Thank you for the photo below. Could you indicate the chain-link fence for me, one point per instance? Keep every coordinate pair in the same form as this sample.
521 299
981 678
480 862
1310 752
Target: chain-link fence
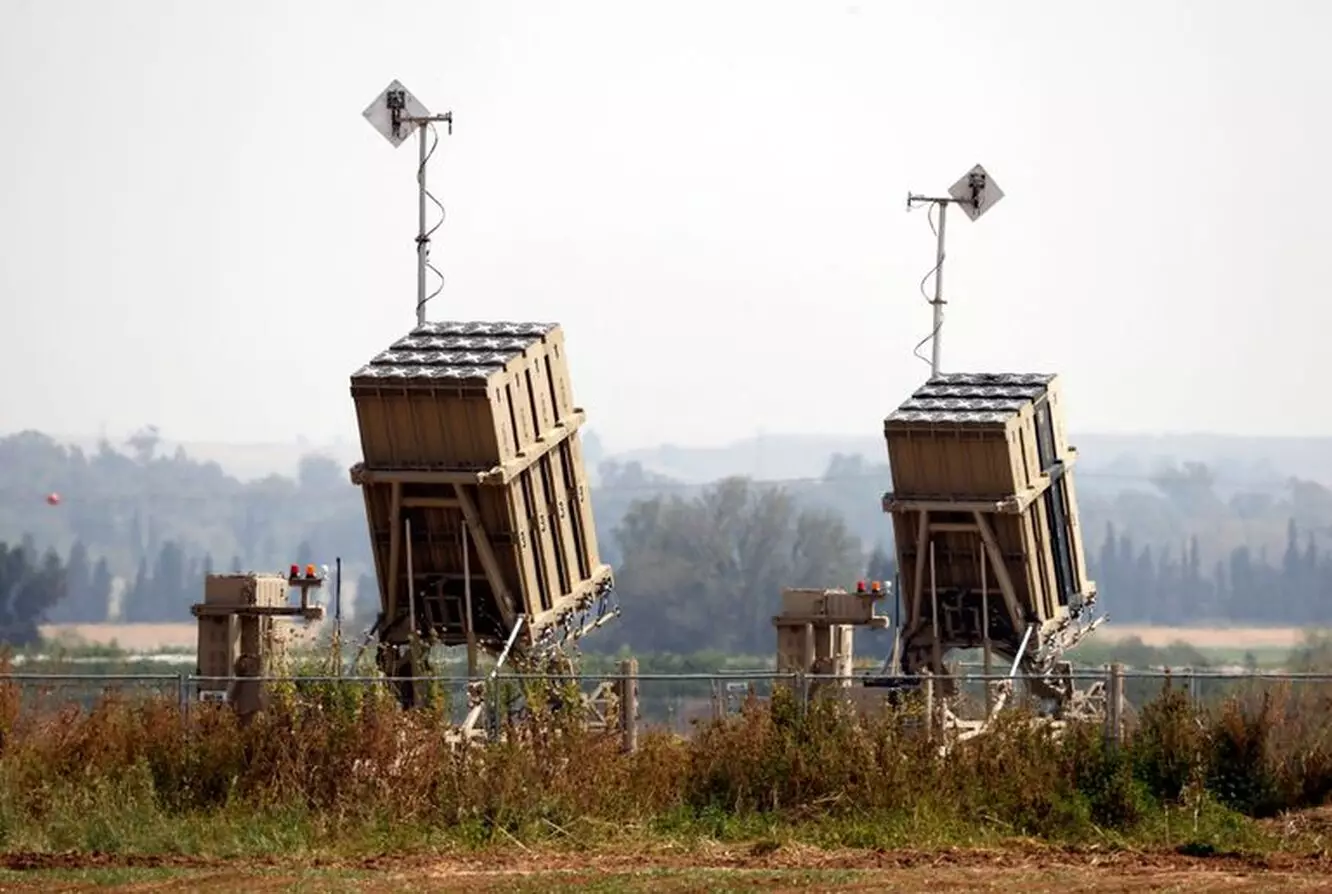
679 702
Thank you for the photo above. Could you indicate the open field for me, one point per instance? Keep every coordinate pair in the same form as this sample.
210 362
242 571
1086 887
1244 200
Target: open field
1206 637
711 869
333 792
131 637
147 637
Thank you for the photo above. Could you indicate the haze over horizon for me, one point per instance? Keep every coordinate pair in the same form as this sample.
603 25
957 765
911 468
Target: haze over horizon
203 233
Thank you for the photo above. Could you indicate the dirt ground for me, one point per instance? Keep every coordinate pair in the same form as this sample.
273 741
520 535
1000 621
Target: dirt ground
147 637
133 637
753 868
1207 637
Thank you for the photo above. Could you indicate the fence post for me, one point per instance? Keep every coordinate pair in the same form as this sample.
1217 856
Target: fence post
182 698
929 705
492 696
629 705
1114 707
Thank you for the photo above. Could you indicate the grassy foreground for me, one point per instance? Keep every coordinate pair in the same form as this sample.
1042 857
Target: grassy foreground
346 774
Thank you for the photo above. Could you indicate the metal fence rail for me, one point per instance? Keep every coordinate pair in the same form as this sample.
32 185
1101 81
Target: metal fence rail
670 700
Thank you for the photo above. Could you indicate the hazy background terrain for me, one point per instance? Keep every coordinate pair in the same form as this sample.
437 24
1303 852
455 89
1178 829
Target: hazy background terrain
1191 531
203 234
708 195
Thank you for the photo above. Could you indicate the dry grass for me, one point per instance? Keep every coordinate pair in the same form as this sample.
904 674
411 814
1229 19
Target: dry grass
1206 637
131 637
715 868
343 772
148 637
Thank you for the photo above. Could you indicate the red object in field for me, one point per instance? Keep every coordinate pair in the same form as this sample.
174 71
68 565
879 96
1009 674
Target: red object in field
53 499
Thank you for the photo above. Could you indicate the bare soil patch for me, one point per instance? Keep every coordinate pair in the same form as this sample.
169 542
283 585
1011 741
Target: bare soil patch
133 637
785 868
146 637
1207 637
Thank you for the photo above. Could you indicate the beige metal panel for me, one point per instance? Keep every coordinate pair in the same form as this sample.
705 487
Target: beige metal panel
552 473
970 461
1075 534
844 648
580 500
454 399
973 438
557 375
1053 395
505 515
456 395
1019 470
537 522
528 555
834 606
419 428
507 440
1043 597
1026 465
832 653
803 602
1020 558
219 646
271 590
1024 423
538 390
795 648
245 589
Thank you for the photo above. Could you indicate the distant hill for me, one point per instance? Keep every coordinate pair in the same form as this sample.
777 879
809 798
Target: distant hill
1238 461
1116 459
246 461
1181 528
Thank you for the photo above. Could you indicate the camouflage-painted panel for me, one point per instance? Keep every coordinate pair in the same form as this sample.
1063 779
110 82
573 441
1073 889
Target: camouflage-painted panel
971 398
453 351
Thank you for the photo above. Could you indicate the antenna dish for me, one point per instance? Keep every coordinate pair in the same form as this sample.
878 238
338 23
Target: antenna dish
396 113
976 192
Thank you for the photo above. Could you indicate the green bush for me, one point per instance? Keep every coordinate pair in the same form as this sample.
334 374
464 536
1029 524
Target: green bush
333 758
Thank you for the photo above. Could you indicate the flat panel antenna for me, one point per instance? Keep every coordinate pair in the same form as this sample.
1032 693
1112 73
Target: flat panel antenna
977 193
396 114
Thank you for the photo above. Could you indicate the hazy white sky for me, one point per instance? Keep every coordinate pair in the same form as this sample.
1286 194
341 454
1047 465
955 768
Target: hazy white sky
200 231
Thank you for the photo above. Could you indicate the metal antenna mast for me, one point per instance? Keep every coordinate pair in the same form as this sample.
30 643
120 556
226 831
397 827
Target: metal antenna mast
396 113
976 192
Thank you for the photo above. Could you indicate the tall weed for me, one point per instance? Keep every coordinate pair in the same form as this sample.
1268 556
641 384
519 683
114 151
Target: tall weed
339 757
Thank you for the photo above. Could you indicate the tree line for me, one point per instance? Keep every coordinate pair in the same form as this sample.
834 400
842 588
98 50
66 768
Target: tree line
697 566
31 583
1172 586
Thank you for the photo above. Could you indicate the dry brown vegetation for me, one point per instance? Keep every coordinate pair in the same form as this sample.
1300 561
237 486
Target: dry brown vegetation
131 637
149 637
714 867
1239 637
345 772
